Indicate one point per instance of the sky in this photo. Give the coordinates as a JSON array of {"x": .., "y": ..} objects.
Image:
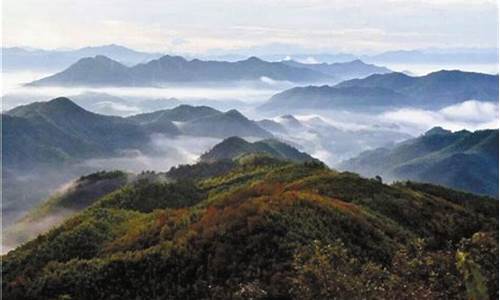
[{"x": 211, "y": 26}]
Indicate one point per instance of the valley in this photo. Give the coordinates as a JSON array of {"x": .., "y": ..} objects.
[{"x": 246, "y": 178}]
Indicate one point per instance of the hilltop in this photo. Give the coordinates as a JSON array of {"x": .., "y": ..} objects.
[
  {"x": 234, "y": 147},
  {"x": 265, "y": 228}
]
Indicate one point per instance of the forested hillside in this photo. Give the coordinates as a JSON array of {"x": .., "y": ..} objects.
[{"x": 262, "y": 228}]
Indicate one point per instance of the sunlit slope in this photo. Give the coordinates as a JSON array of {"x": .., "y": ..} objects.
[{"x": 264, "y": 228}]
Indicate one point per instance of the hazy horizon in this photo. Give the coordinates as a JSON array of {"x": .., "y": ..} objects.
[{"x": 208, "y": 27}]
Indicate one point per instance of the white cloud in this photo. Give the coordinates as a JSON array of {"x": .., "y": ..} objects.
[
  {"x": 309, "y": 60},
  {"x": 471, "y": 111},
  {"x": 118, "y": 107},
  {"x": 471, "y": 115}
]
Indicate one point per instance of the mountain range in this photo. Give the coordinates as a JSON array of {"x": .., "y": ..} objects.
[
  {"x": 85, "y": 190},
  {"x": 331, "y": 142},
  {"x": 262, "y": 228},
  {"x": 202, "y": 121},
  {"x": 47, "y": 143},
  {"x": 462, "y": 160},
  {"x": 103, "y": 71},
  {"x": 342, "y": 71},
  {"x": 59, "y": 130},
  {"x": 123, "y": 104},
  {"x": 379, "y": 91},
  {"x": 441, "y": 88},
  {"x": 20, "y": 59},
  {"x": 425, "y": 56}
]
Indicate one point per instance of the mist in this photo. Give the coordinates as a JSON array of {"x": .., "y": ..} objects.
[
  {"x": 165, "y": 152},
  {"x": 471, "y": 115},
  {"x": 329, "y": 135},
  {"x": 23, "y": 189},
  {"x": 130, "y": 100}
]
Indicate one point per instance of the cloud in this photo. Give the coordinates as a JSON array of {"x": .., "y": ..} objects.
[
  {"x": 244, "y": 91},
  {"x": 166, "y": 152},
  {"x": 472, "y": 115},
  {"x": 471, "y": 111},
  {"x": 309, "y": 60},
  {"x": 318, "y": 24},
  {"x": 117, "y": 107}
]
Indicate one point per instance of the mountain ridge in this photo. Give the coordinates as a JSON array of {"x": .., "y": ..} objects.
[
  {"x": 264, "y": 228},
  {"x": 100, "y": 71},
  {"x": 343, "y": 71},
  {"x": 462, "y": 160},
  {"x": 378, "y": 91}
]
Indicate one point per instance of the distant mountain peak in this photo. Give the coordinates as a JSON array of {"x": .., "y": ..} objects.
[
  {"x": 188, "y": 107},
  {"x": 448, "y": 73},
  {"x": 437, "y": 131},
  {"x": 234, "y": 147},
  {"x": 57, "y": 105},
  {"x": 289, "y": 117},
  {"x": 62, "y": 101},
  {"x": 98, "y": 59},
  {"x": 233, "y": 140},
  {"x": 254, "y": 59},
  {"x": 172, "y": 58},
  {"x": 102, "y": 57},
  {"x": 235, "y": 113},
  {"x": 357, "y": 62}
]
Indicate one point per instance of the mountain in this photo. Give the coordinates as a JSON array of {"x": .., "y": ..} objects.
[
  {"x": 333, "y": 97},
  {"x": 441, "y": 88},
  {"x": 76, "y": 196},
  {"x": 204, "y": 121},
  {"x": 96, "y": 71},
  {"x": 434, "y": 90},
  {"x": 463, "y": 160},
  {"x": 103, "y": 71},
  {"x": 59, "y": 130},
  {"x": 230, "y": 123},
  {"x": 342, "y": 71},
  {"x": 234, "y": 147},
  {"x": 48, "y": 143},
  {"x": 181, "y": 113},
  {"x": 18, "y": 59},
  {"x": 435, "y": 56},
  {"x": 265, "y": 229},
  {"x": 176, "y": 68},
  {"x": 272, "y": 126},
  {"x": 329, "y": 138}
]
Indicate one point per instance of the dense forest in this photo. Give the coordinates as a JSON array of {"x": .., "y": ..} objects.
[{"x": 262, "y": 228}]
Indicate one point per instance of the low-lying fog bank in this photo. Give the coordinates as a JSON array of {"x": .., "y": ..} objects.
[{"x": 22, "y": 190}]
